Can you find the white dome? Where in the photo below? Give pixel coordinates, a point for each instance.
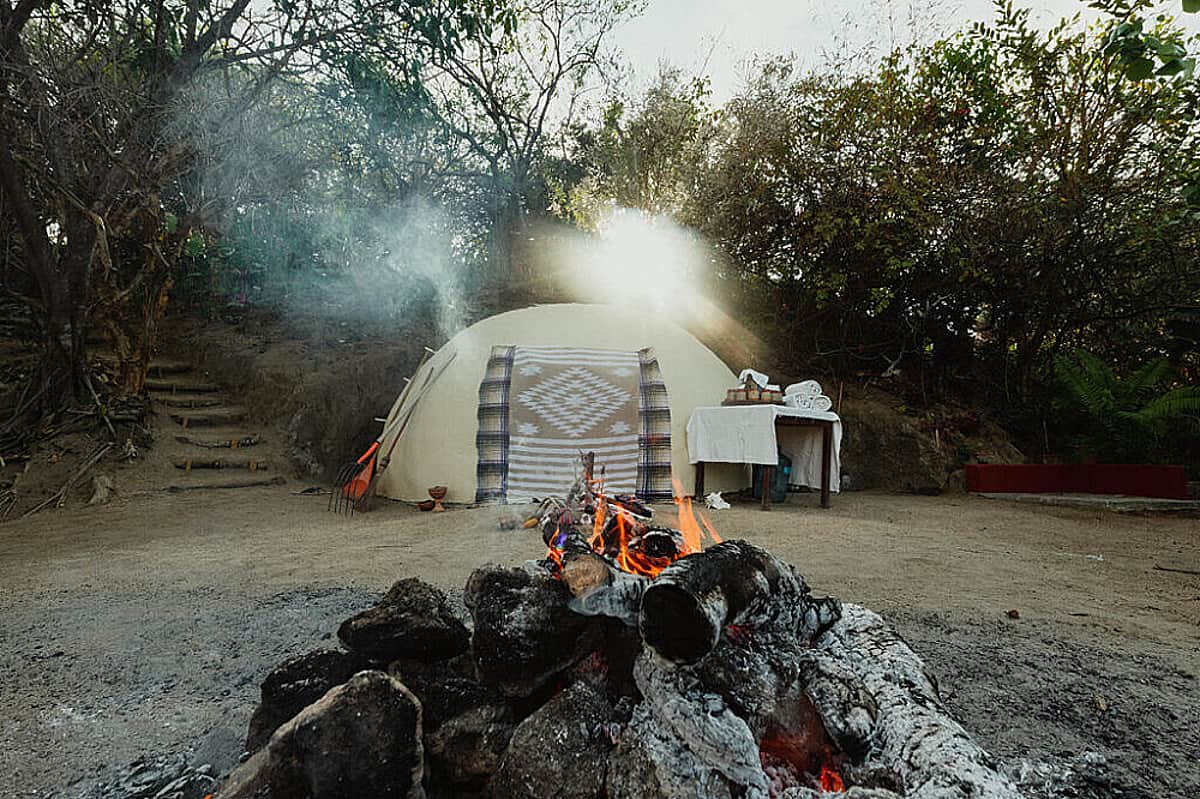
(437, 446)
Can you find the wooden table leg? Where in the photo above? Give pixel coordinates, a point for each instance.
(699, 481)
(826, 462)
(768, 481)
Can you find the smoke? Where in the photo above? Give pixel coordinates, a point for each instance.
(308, 207)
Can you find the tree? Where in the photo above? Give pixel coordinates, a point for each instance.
(94, 152)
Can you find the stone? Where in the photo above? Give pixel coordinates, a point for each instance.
(561, 750)
(362, 739)
(467, 749)
(412, 621)
(296, 683)
(525, 634)
(442, 694)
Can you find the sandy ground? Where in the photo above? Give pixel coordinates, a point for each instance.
(144, 627)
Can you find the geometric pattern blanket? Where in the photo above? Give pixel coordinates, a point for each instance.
(540, 407)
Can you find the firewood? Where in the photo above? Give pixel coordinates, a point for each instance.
(220, 463)
(271, 481)
(913, 736)
(584, 572)
(685, 609)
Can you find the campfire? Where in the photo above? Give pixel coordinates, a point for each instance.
(631, 662)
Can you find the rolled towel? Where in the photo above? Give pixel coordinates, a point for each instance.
(806, 388)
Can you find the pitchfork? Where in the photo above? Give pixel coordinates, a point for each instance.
(355, 482)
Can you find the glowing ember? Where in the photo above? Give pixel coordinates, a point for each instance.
(831, 781)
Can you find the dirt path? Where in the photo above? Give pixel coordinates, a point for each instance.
(145, 626)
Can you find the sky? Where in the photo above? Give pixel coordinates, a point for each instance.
(719, 37)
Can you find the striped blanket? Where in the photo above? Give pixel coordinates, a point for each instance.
(540, 407)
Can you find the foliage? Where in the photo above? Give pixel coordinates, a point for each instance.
(1125, 419)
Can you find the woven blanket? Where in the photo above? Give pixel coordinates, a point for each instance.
(540, 407)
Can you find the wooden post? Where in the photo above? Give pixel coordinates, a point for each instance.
(768, 481)
(826, 462)
(699, 493)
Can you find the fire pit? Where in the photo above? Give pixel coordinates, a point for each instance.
(632, 663)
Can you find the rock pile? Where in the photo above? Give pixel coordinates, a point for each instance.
(722, 678)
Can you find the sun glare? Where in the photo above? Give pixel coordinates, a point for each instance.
(650, 258)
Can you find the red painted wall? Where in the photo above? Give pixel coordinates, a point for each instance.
(1162, 482)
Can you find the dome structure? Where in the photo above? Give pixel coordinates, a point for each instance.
(570, 383)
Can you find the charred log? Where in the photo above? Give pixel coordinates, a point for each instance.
(685, 609)
(913, 736)
(362, 738)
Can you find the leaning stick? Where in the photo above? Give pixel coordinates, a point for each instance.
(60, 496)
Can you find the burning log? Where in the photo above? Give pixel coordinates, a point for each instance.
(685, 609)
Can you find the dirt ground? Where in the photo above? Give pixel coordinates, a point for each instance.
(144, 627)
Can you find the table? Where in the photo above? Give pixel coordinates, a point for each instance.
(748, 434)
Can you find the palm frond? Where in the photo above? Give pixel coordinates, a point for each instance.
(1183, 401)
(1090, 380)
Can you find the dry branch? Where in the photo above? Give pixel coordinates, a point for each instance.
(60, 496)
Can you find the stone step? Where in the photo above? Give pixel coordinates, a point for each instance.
(208, 417)
(180, 386)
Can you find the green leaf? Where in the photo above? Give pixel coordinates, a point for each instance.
(1140, 69)
(1191, 6)
(1172, 67)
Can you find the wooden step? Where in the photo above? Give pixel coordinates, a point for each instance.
(244, 482)
(251, 464)
(157, 367)
(165, 368)
(208, 418)
(188, 400)
(180, 386)
(220, 443)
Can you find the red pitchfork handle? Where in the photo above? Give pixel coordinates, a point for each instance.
(370, 451)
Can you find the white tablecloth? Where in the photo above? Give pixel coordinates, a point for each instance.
(747, 434)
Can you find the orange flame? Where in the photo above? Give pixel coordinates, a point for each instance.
(629, 556)
(831, 781)
(693, 536)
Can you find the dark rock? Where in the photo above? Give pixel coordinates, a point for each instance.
(442, 695)
(413, 620)
(362, 739)
(561, 750)
(524, 632)
(466, 750)
(295, 684)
